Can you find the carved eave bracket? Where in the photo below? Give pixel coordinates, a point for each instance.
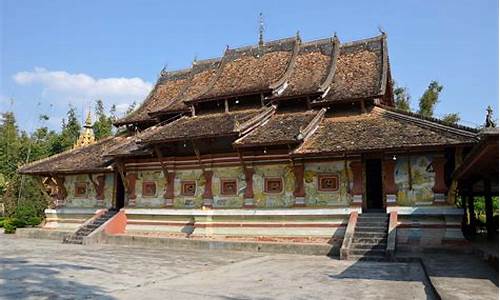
(256, 121)
(307, 131)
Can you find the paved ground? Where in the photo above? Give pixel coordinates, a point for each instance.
(462, 276)
(50, 270)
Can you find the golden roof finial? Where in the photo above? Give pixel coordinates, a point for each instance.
(87, 136)
(88, 121)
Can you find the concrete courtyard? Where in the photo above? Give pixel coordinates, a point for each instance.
(45, 269)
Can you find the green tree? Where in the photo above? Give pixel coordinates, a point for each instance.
(429, 99)
(451, 118)
(103, 126)
(131, 108)
(70, 130)
(401, 98)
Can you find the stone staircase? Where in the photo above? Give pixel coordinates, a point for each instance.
(85, 230)
(370, 237)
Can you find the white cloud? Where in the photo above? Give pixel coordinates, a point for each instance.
(62, 86)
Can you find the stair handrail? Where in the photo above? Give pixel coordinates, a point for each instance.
(96, 236)
(348, 235)
(99, 212)
(391, 233)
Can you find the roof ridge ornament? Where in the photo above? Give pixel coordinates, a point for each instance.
(261, 30)
(297, 36)
(163, 71)
(489, 123)
(381, 30)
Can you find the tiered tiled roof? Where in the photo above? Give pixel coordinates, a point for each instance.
(325, 70)
(360, 71)
(251, 69)
(282, 128)
(380, 129)
(287, 67)
(165, 92)
(201, 75)
(91, 158)
(202, 126)
(310, 69)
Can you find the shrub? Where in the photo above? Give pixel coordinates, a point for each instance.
(8, 227)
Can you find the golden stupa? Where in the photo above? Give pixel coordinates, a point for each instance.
(87, 136)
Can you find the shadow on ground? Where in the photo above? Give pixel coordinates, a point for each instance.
(22, 279)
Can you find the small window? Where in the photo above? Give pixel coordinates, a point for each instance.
(80, 189)
(149, 188)
(273, 185)
(228, 187)
(188, 188)
(328, 183)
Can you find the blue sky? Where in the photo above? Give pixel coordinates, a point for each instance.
(54, 53)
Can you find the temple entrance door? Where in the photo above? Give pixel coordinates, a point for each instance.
(374, 193)
(119, 192)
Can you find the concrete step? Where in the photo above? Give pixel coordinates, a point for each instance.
(370, 235)
(373, 215)
(371, 223)
(366, 258)
(72, 241)
(368, 246)
(358, 240)
(370, 229)
(367, 252)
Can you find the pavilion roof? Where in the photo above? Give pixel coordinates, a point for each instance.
(201, 126)
(381, 129)
(326, 68)
(89, 159)
(281, 128)
(164, 94)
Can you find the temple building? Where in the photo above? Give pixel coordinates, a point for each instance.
(286, 138)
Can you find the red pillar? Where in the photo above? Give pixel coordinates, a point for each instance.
(299, 192)
(131, 181)
(357, 187)
(390, 188)
(248, 196)
(439, 188)
(207, 194)
(169, 189)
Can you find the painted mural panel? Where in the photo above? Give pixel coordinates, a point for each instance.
(229, 200)
(145, 199)
(81, 192)
(338, 197)
(282, 199)
(422, 180)
(181, 200)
